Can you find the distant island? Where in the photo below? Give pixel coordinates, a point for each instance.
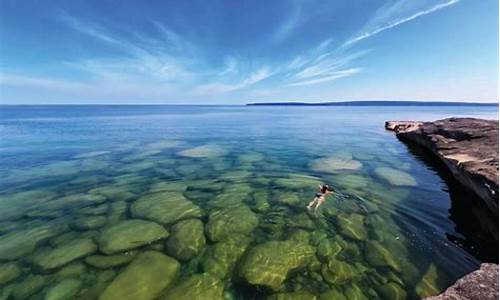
(376, 103)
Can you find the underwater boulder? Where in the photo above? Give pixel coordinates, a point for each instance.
(298, 182)
(378, 256)
(260, 201)
(289, 199)
(391, 290)
(64, 290)
(337, 272)
(9, 271)
(299, 295)
(130, 234)
(144, 278)
(269, 264)
(224, 222)
(49, 259)
(186, 239)
(221, 257)
(165, 208)
(109, 261)
(352, 226)
(395, 177)
(205, 151)
(335, 164)
(429, 284)
(29, 286)
(328, 248)
(332, 294)
(91, 222)
(198, 286)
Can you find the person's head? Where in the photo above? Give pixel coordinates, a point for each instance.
(326, 188)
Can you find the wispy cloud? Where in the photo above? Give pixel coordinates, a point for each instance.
(219, 87)
(395, 14)
(289, 24)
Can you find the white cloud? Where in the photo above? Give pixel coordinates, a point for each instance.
(395, 14)
(332, 76)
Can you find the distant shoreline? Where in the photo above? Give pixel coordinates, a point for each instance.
(377, 103)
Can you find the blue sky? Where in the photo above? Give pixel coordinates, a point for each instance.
(233, 52)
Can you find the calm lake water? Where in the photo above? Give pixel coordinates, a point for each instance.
(193, 202)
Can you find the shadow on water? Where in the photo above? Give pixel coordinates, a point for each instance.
(473, 220)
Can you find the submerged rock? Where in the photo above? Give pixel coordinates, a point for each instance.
(109, 261)
(205, 151)
(335, 164)
(332, 294)
(8, 272)
(378, 256)
(66, 289)
(269, 264)
(130, 234)
(20, 243)
(198, 286)
(298, 182)
(300, 295)
(429, 285)
(391, 290)
(395, 177)
(328, 249)
(168, 186)
(223, 223)
(260, 201)
(92, 222)
(49, 259)
(289, 199)
(352, 226)
(221, 257)
(165, 208)
(144, 278)
(28, 287)
(186, 239)
(337, 271)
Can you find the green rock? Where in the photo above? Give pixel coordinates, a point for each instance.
(165, 208)
(50, 259)
(354, 292)
(337, 272)
(352, 226)
(28, 287)
(290, 199)
(429, 284)
(205, 151)
(269, 264)
(332, 294)
(130, 234)
(72, 201)
(101, 209)
(260, 201)
(197, 287)
(144, 278)
(300, 295)
(302, 221)
(250, 158)
(235, 175)
(327, 249)
(223, 223)
(20, 243)
(298, 182)
(92, 222)
(109, 261)
(168, 186)
(391, 291)
(378, 256)
(395, 176)
(221, 257)
(186, 239)
(8, 272)
(74, 269)
(66, 289)
(102, 280)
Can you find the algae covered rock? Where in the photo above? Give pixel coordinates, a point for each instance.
(298, 182)
(378, 256)
(165, 208)
(300, 295)
(109, 261)
(223, 223)
(430, 284)
(91, 222)
(391, 290)
(144, 278)
(260, 201)
(332, 294)
(352, 226)
(221, 257)
(49, 259)
(198, 286)
(63, 290)
(8, 272)
(130, 234)
(337, 271)
(328, 248)
(290, 199)
(395, 176)
(269, 264)
(29, 286)
(19, 243)
(186, 239)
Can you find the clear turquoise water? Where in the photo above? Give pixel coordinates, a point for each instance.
(264, 161)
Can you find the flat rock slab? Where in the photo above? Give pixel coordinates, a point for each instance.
(481, 284)
(467, 146)
(129, 235)
(53, 258)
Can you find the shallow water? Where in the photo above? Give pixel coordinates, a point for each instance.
(222, 191)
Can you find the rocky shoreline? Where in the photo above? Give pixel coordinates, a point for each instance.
(469, 149)
(467, 146)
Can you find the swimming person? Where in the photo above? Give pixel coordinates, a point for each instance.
(324, 190)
